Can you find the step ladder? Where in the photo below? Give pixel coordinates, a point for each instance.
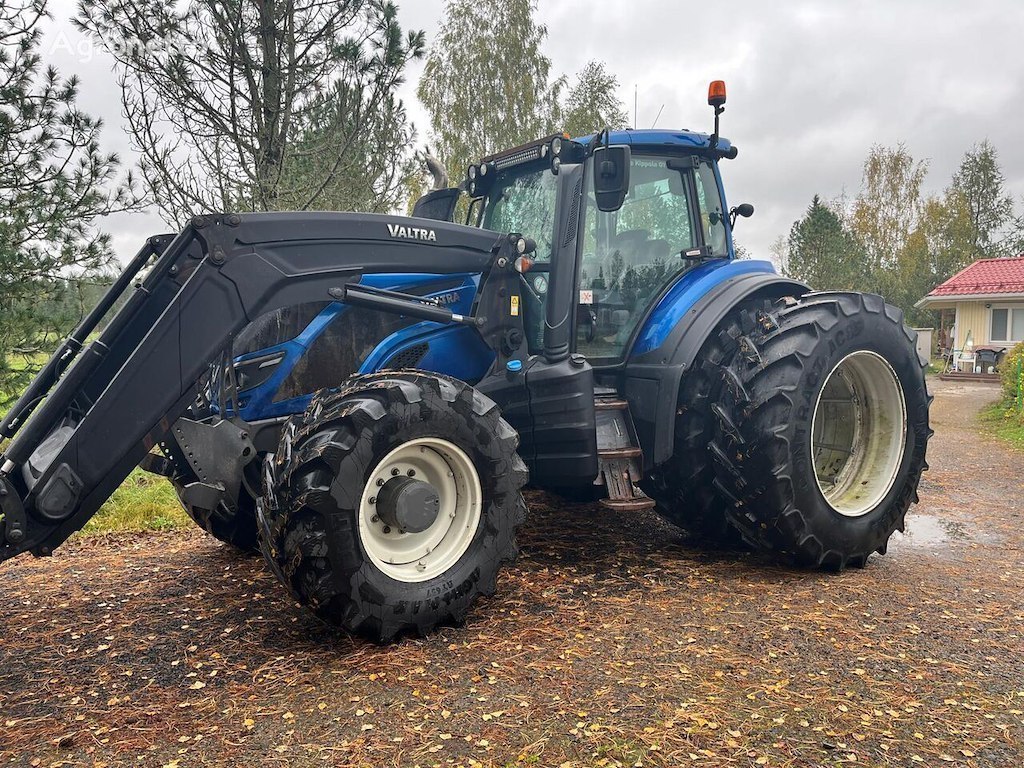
(620, 459)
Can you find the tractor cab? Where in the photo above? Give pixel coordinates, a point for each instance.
(668, 218)
(613, 222)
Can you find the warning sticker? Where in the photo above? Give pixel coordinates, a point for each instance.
(586, 297)
(515, 306)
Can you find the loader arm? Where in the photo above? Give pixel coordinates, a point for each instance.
(100, 414)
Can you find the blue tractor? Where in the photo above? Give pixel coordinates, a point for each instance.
(363, 397)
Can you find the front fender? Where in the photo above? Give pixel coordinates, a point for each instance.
(672, 335)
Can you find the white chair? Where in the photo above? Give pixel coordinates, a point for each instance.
(965, 361)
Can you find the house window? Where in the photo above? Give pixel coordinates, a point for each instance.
(1007, 324)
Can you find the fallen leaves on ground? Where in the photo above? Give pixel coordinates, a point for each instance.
(613, 641)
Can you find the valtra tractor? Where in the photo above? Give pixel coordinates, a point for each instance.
(363, 397)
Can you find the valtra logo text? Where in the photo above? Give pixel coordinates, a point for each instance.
(412, 233)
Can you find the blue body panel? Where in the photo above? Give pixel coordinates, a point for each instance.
(687, 291)
(456, 351)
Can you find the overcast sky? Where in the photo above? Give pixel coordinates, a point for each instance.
(812, 85)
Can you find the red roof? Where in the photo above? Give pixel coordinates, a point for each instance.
(985, 276)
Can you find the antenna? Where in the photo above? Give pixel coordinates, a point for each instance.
(636, 101)
(655, 123)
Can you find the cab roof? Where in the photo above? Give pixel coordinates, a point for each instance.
(657, 139)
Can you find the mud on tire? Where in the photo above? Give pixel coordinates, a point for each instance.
(309, 515)
(783, 478)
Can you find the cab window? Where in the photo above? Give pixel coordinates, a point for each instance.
(712, 215)
(630, 254)
(525, 203)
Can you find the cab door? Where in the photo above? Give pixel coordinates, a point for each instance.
(671, 219)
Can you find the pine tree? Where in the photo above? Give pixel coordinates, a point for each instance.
(260, 104)
(55, 183)
(822, 252)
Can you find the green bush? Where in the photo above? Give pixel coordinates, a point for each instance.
(1010, 370)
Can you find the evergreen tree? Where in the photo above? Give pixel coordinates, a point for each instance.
(260, 104)
(55, 183)
(822, 252)
(373, 174)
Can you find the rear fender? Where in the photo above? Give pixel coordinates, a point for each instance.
(673, 334)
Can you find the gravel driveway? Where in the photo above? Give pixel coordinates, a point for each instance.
(613, 641)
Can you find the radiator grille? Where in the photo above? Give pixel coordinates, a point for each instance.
(407, 358)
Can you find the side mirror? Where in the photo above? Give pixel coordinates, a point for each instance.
(746, 210)
(611, 177)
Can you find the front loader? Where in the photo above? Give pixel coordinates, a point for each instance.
(363, 397)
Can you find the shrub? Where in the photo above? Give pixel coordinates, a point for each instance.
(1010, 370)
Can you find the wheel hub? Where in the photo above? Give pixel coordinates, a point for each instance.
(420, 509)
(858, 433)
(408, 504)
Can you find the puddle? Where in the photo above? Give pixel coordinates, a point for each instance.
(928, 532)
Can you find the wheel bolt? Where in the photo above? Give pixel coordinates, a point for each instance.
(373, 500)
(411, 473)
(394, 471)
(375, 519)
(380, 482)
(387, 529)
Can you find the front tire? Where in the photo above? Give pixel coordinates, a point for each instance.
(331, 525)
(822, 428)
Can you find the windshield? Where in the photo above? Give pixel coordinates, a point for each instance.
(524, 202)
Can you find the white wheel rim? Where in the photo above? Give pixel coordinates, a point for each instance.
(858, 433)
(415, 557)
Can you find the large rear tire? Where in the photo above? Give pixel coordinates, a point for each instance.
(392, 503)
(822, 427)
(683, 487)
